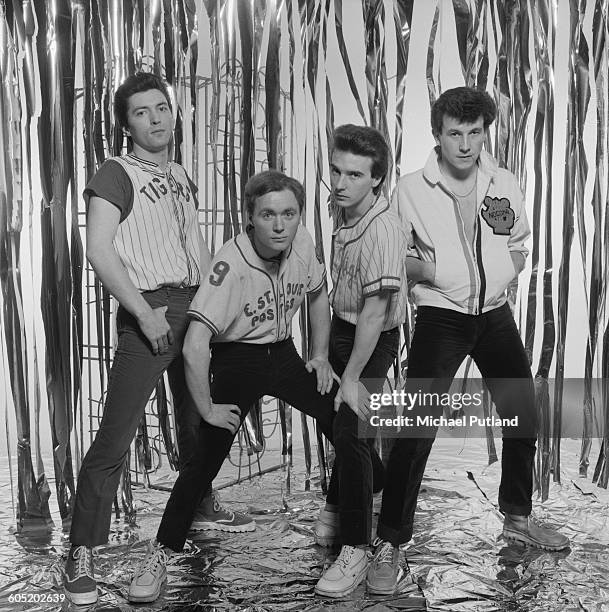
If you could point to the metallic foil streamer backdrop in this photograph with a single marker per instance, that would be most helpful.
(544, 29)
(32, 489)
(254, 88)
(600, 256)
(576, 170)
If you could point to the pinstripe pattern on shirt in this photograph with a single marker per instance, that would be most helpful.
(367, 258)
(157, 239)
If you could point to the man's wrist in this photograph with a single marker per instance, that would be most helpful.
(204, 409)
(142, 311)
(349, 376)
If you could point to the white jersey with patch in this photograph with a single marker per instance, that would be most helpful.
(157, 238)
(367, 258)
(246, 298)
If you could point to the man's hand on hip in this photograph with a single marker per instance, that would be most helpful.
(226, 416)
(157, 330)
(356, 396)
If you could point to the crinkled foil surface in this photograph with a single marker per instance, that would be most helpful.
(458, 559)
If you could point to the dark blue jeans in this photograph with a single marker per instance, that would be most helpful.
(241, 374)
(134, 374)
(356, 459)
(441, 341)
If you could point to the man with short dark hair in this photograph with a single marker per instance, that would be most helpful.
(466, 225)
(369, 304)
(243, 312)
(145, 245)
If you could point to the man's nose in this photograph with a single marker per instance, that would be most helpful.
(339, 182)
(278, 225)
(464, 143)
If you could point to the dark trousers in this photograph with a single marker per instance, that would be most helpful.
(241, 374)
(441, 341)
(356, 459)
(134, 374)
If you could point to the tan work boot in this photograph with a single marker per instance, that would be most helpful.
(526, 530)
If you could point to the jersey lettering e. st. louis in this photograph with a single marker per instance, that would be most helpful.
(246, 298)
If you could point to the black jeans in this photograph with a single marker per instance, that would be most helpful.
(241, 374)
(357, 462)
(441, 341)
(134, 374)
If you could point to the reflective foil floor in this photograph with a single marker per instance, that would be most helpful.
(458, 560)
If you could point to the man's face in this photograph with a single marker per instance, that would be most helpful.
(351, 179)
(275, 220)
(460, 144)
(150, 120)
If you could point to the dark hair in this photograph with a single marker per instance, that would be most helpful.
(367, 142)
(268, 181)
(464, 104)
(136, 83)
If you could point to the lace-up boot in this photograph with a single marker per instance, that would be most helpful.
(527, 530)
(213, 515)
(150, 575)
(385, 571)
(345, 574)
(79, 579)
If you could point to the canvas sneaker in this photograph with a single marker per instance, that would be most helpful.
(345, 574)
(527, 530)
(211, 514)
(79, 579)
(327, 528)
(150, 575)
(384, 572)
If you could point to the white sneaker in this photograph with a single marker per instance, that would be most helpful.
(345, 574)
(150, 575)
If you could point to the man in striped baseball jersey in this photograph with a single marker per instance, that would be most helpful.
(466, 229)
(369, 304)
(144, 243)
(243, 311)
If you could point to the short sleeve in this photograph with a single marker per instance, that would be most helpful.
(112, 183)
(193, 190)
(398, 204)
(382, 262)
(217, 303)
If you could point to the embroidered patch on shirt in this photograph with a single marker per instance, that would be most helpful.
(499, 215)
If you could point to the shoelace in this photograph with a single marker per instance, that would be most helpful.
(218, 507)
(84, 562)
(384, 554)
(344, 558)
(153, 559)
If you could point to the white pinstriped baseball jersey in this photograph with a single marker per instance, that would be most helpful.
(369, 257)
(246, 298)
(157, 238)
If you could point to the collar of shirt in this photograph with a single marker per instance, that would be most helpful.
(246, 244)
(359, 227)
(487, 169)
